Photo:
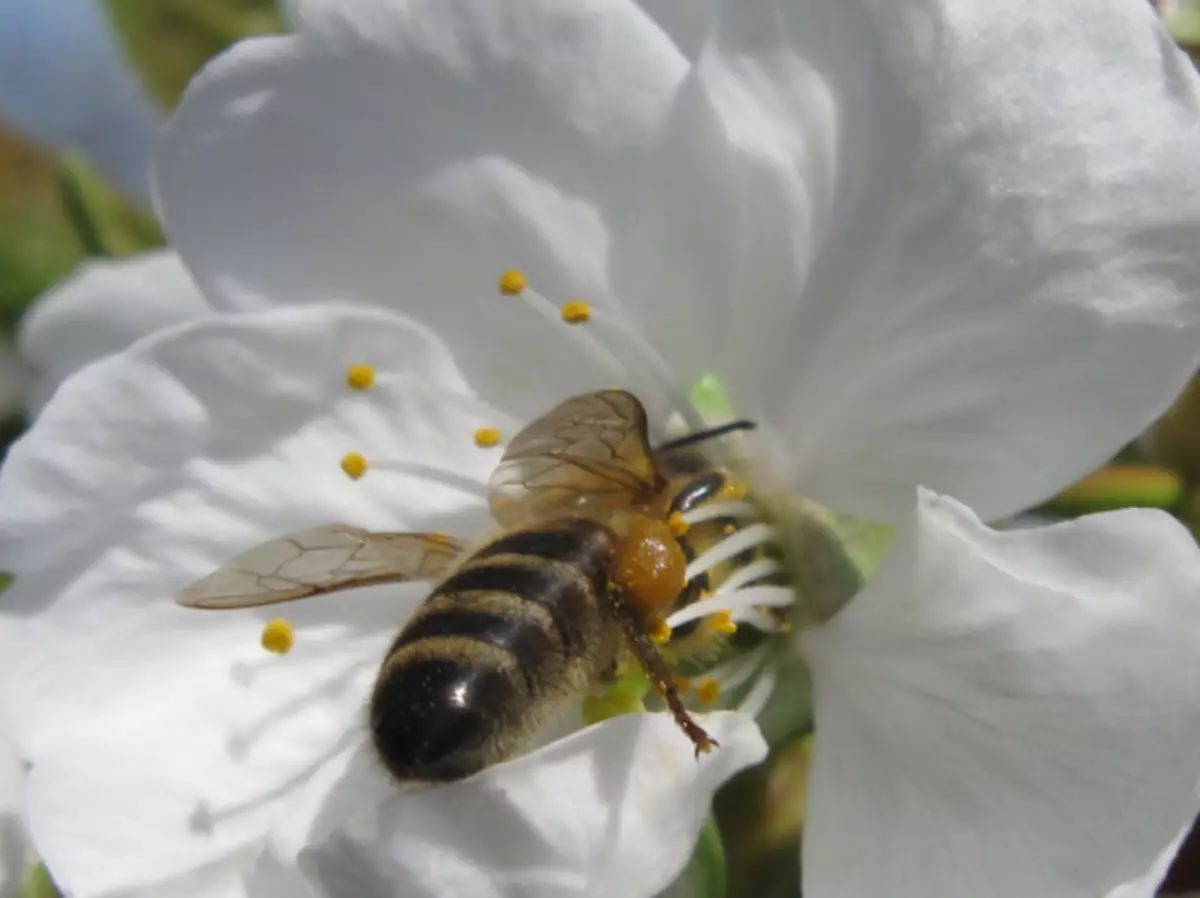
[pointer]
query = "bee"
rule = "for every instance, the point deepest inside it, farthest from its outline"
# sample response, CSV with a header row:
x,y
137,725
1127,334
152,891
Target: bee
x,y
583,567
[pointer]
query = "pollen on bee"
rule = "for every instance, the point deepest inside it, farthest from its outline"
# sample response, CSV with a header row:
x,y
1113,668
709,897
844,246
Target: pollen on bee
x,y
512,283
576,311
722,622
683,684
354,464
360,377
659,631
278,636
486,437
708,690
733,491
677,524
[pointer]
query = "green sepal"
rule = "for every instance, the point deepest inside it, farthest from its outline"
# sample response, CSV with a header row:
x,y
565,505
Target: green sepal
x,y
38,884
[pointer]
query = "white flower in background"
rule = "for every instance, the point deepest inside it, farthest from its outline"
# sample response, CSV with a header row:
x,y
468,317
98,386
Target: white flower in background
x,y
65,83
100,309
950,247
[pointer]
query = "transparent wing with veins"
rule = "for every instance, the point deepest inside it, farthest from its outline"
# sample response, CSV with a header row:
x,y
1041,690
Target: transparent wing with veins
x,y
319,561
592,451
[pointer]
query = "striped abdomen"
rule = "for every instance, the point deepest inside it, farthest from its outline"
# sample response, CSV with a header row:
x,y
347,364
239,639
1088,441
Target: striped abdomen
x,y
494,650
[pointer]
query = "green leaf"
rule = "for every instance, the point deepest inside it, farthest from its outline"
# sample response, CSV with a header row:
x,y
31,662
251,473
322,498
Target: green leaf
x,y
105,223
169,40
1120,486
706,871
6,580
1182,19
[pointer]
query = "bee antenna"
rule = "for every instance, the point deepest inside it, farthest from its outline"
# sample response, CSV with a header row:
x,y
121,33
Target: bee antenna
x,y
700,436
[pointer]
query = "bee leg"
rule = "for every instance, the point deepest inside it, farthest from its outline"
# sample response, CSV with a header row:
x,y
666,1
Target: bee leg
x,y
656,669
609,674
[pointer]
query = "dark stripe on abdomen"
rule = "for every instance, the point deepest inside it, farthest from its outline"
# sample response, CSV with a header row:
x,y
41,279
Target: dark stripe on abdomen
x,y
525,638
561,594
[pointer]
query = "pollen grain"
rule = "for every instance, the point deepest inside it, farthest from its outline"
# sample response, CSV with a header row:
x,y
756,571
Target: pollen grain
x,y
360,377
512,283
708,690
278,636
486,437
576,311
354,464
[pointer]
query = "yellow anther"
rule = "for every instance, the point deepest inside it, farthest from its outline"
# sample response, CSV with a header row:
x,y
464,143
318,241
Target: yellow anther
x,y
354,464
659,631
512,283
278,636
708,690
576,311
360,377
677,524
486,437
722,622
733,491
729,528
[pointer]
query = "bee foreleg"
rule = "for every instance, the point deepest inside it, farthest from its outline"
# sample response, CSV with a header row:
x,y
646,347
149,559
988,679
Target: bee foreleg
x,y
657,671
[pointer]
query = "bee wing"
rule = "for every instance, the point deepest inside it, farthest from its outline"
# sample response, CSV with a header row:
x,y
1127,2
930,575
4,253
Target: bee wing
x,y
321,560
591,451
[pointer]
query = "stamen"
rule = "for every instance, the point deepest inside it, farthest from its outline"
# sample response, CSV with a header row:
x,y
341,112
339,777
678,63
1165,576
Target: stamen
x,y
486,437
760,693
708,690
360,377
755,570
278,636
732,674
354,464
576,311
512,282
709,510
659,631
678,523
722,622
745,539
736,602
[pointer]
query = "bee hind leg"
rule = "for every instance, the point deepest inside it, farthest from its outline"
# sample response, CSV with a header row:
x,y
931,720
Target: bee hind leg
x,y
658,672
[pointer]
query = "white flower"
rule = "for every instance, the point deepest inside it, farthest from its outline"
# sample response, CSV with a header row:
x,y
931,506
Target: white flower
x,y
913,252
102,308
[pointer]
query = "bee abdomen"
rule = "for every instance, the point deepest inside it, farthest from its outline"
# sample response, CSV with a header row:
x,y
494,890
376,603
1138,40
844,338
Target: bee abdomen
x,y
437,717
493,651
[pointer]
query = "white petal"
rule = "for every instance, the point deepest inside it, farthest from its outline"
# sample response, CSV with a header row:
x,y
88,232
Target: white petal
x,y
951,226
470,138
163,740
102,308
66,84
1008,713
612,810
